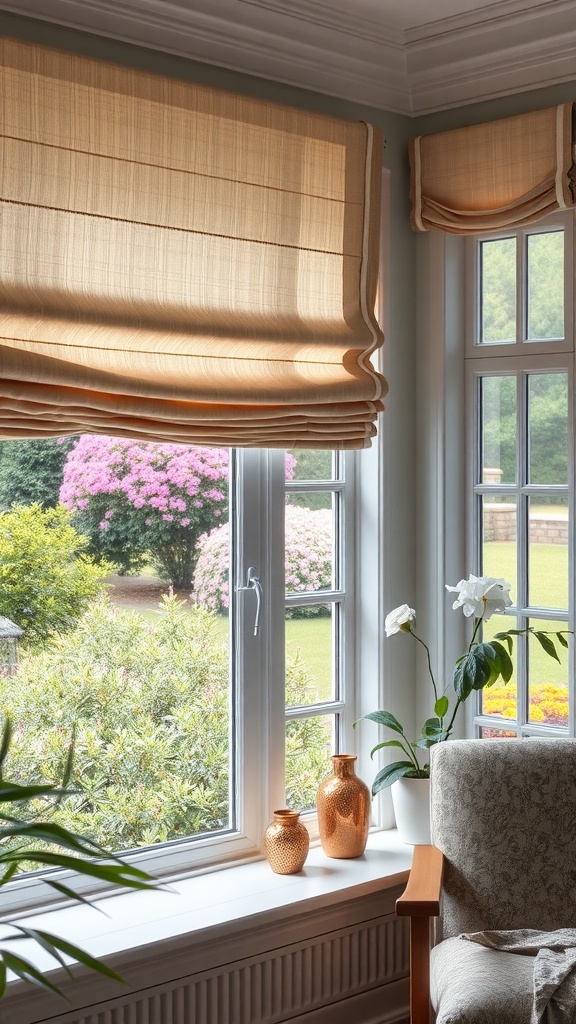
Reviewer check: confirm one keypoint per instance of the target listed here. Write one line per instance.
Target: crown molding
(326, 15)
(500, 48)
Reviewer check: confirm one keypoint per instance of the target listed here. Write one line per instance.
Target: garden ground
(140, 592)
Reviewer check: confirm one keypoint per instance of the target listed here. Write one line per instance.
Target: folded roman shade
(181, 263)
(501, 174)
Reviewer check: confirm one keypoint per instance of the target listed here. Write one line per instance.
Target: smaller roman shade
(182, 263)
(504, 173)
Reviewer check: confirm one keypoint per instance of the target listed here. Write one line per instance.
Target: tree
(46, 579)
(141, 499)
(548, 426)
(31, 471)
(545, 292)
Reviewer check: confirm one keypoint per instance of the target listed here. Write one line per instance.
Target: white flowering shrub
(308, 564)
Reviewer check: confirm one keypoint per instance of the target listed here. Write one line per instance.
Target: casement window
(290, 560)
(520, 406)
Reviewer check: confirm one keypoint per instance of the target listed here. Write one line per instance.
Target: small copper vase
(286, 842)
(343, 805)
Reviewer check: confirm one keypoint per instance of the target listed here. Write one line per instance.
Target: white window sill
(207, 907)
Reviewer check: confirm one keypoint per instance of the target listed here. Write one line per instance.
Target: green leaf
(25, 970)
(431, 727)
(64, 890)
(430, 741)
(460, 680)
(4, 747)
(506, 667)
(562, 639)
(396, 770)
(546, 643)
(2, 978)
(384, 718)
(67, 774)
(471, 673)
(441, 706)
(53, 943)
(508, 638)
(10, 791)
(387, 743)
(43, 941)
(118, 874)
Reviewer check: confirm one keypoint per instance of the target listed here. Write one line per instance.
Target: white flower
(481, 596)
(399, 618)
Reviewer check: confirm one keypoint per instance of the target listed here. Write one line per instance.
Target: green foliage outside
(46, 580)
(150, 705)
(31, 471)
(548, 393)
(545, 314)
(548, 419)
(311, 465)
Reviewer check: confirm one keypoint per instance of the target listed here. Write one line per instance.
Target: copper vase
(343, 810)
(286, 842)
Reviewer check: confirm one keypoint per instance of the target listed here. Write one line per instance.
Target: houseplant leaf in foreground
(54, 846)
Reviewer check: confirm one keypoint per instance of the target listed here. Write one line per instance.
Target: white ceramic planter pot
(411, 800)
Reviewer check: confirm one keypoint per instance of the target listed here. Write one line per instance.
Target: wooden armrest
(421, 897)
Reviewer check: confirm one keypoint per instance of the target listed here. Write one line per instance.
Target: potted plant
(53, 847)
(483, 664)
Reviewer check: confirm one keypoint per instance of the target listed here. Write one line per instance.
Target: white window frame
(519, 358)
(445, 329)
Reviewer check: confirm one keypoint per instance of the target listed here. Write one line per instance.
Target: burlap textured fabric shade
(502, 174)
(180, 263)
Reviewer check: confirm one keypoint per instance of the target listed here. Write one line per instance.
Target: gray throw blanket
(554, 968)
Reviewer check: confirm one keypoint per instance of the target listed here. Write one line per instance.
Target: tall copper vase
(343, 805)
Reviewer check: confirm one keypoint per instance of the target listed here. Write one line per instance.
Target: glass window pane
(498, 291)
(497, 734)
(546, 285)
(307, 464)
(548, 427)
(548, 553)
(310, 562)
(498, 430)
(548, 680)
(309, 744)
(499, 538)
(142, 670)
(310, 668)
(500, 699)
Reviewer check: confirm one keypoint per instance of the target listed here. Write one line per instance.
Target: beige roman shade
(181, 263)
(502, 174)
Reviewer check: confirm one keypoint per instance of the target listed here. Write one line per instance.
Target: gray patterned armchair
(504, 829)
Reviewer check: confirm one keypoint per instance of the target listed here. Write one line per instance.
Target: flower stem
(430, 673)
(451, 724)
(477, 624)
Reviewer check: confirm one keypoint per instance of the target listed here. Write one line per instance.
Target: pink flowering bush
(141, 499)
(308, 563)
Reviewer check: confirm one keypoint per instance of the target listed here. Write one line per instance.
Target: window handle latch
(253, 583)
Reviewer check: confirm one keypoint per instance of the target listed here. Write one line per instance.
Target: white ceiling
(408, 56)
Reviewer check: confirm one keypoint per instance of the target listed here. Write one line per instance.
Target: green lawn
(548, 588)
(309, 638)
(548, 571)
